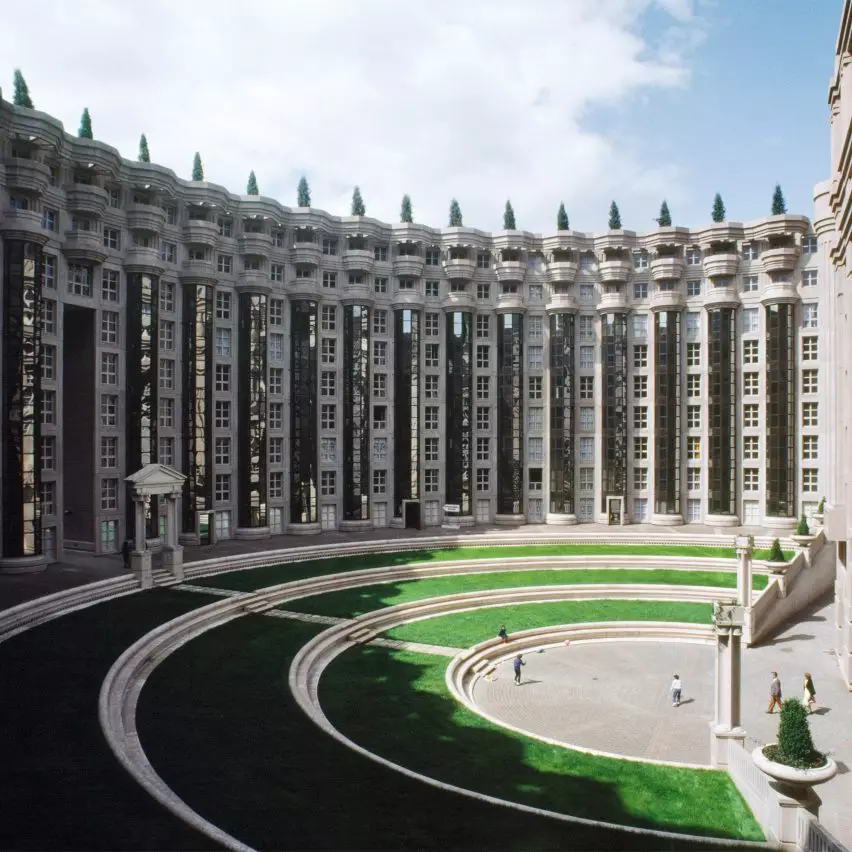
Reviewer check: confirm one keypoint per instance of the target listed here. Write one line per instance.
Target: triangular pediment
(156, 479)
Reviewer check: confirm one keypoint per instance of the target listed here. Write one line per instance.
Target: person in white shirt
(676, 688)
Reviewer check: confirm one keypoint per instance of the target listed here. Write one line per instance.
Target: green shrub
(775, 552)
(821, 506)
(795, 746)
(802, 526)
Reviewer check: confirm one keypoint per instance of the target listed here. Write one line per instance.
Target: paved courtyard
(614, 696)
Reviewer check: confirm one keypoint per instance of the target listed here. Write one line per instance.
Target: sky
(537, 101)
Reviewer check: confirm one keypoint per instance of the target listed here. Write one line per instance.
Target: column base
(780, 524)
(173, 561)
(304, 529)
(666, 520)
(140, 565)
(720, 737)
(510, 520)
(356, 526)
(23, 564)
(560, 520)
(721, 521)
(188, 539)
(155, 545)
(251, 533)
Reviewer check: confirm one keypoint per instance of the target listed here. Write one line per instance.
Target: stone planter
(776, 567)
(803, 541)
(789, 775)
(818, 518)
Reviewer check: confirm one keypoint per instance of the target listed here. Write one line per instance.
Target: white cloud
(477, 99)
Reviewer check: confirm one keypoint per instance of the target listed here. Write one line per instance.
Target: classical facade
(307, 371)
(833, 222)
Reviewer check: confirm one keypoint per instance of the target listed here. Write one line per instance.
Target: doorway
(615, 511)
(411, 514)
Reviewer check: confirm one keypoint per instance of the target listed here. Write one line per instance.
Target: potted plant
(776, 562)
(803, 535)
(793, 760)
(819, 516)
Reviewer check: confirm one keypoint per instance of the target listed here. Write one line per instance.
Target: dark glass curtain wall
(722, 412)
(251, 408)
(780, 411)
(510, 423)
(22, 283)
(667, 336)
(356, 413)
(142, 302)
(406, 416)
(303, 412)
(562, 414)
(614, 376)
(459, 423)
(197, 401)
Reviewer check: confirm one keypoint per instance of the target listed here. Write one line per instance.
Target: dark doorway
(411, 509)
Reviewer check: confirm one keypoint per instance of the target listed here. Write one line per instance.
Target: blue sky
(580, 101)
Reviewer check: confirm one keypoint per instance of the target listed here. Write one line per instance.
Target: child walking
(676, 689)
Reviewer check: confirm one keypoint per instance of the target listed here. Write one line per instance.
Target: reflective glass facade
(22, 283)
(510, 414)
(614, 427)
(780, 412)
(142, 304)
(197, 401)
(303, 412)
(667, 396)
(459, 420)
(722, 411)
(356, 413)
(406, 412)
(251, 402)
(562, 413)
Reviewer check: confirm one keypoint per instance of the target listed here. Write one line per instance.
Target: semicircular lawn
(396, 704)
(252, 579)
(469, 627)
(350, 603)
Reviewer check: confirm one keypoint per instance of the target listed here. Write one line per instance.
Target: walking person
(676, 690)
(504, 636)
(774, 693)
(518, 662)
(809, 698)
(126, 550)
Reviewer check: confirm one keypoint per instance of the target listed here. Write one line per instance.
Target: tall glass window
(614, 434)
(510, 420)
(303, 412)
(562, 413)
(356, 413)
(780, 412)
(722, 412)
(459, 423)
(667, 336)
(406, 407)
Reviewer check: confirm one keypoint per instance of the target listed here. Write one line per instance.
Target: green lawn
(259, 578)
(463, 629)
(349, 603)
(403, 712)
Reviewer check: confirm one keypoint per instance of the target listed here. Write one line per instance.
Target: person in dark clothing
(504, 636)
(518, 662)
(126, 550)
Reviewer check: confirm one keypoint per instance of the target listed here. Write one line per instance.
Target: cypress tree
(197, 168)
(665, 218)
(509, 218)
(562, 219)
(85, 131)
(358, 208)
(144, 155)
(251, 186)
(405, 214)
(22, 91)
(718, 209)
(455, 214)
(303, 198)
(779, 205)
(614, 217)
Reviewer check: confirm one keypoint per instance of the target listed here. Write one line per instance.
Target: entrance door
(536, 510)
(328, 517)
(205, 527)
(614, 511)
(411, 513)
(751, 513)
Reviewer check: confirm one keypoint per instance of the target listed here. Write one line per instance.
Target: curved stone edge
(467, 668)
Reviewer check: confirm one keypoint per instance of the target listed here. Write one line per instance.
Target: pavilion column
(172, 552)
(728, 623)
(140, 559)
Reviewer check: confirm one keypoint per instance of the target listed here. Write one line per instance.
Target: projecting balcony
(461, 300)
(459, 267)
(23, 225)
(197, 270)
(612, 271)
(408, 266)
(722, 297)
(666, 268)
(408, 299)
(26, 175)
(510, 270)
(84, 246)
(561, 271)
(358, 260)
(254, 281)
(85, 198)
(198, 232)
(358, 294)
(510, 303)
(561, 303)
(305, 254)
(303, 288)
(667, 300)
(143, 259)
(145, 217)
(612, 303)
(256, 244)
(779, 292)
(780, 259)
(721, 265)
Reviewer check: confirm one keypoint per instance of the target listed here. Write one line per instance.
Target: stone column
(140, 559)
(745, 548)
(172, 552)
(728, 622)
